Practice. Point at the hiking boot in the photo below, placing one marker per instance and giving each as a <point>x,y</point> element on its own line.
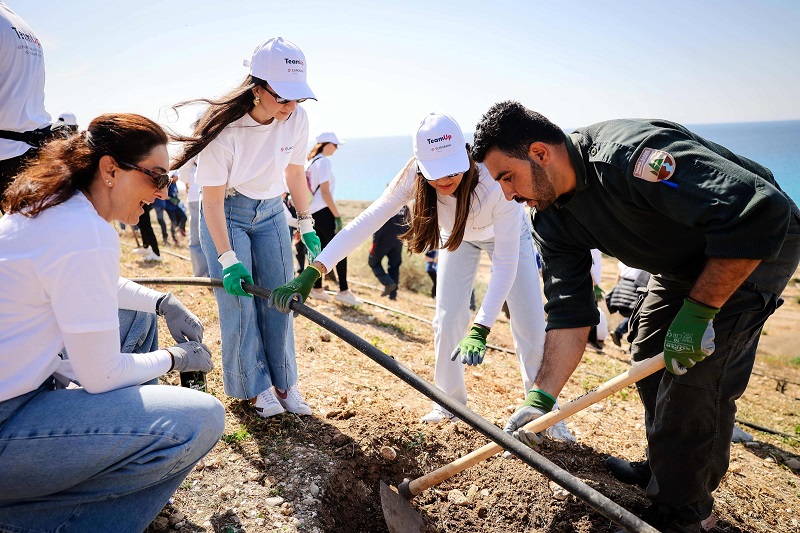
<point>437,415</point>
<point>293,401</point>
<point>617,338</point>
<point>631,472</point>
<point>320,294</point>
<point>347,297</point>
<point>267,404</point>
<point>389,289</point>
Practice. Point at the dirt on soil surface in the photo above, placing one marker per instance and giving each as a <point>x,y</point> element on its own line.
<point>322,472</point>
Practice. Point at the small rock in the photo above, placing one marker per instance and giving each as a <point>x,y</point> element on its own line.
<point>308,500</point>
<point>388,453</point>
<point>559,492</point>
<point>314,490</point>
<point>597,408</point>
<point>769,459</point>
<point>325,337</point>
<point>227,492</point>
<point>457,497</point>
<point>473,490</point>
<point>485,493</point>
<point>793,463</point>
<point>275,501</point>
<point>176,517</point>
<point>260,522</point>
<point>287,509</point>
<point>179,525</point>
<point>254,476</point>
<point>333,413</point>
<point>160,523</point>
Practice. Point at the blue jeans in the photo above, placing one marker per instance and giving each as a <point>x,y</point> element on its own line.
<point>73,461</point>
<point>199,262</point>
<point>257,341</point>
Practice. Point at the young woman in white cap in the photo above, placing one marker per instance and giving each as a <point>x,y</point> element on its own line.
<point>327,220</point>
<point>247,143</point>
<point>459,208</point>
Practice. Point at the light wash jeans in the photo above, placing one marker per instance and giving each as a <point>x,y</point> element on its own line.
<point>257,341</point>
<point>199,261</point>
<point>455,278</point>
<point>71,461</point>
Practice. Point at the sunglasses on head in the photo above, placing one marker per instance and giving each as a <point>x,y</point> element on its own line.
<point>280,100</point>
<point>160,180</point>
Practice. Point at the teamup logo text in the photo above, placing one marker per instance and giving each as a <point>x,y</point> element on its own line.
<point>26,36</point>
<point>445,137</point>
<point>293,61</point>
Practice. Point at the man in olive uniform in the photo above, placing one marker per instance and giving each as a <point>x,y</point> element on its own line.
<point>720,237</point>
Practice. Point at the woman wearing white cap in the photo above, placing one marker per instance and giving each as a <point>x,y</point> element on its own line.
<point>457,206</point>
<point>247,143</point>
<point>327,220</point>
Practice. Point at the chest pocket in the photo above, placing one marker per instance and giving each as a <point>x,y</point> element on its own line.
<point>615,154</point>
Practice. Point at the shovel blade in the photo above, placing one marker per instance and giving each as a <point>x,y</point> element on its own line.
<point>399,515</point>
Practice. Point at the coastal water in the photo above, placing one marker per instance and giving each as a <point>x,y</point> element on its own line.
<point>363,167</point>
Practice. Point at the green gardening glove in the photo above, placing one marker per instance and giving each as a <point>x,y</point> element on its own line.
<point>536,404</point>
<point>281,297</point>
<point>232,278</point>
<point>473,347</point>
<point>690,337</point>
<point>338,225</point>
<point>598,294</point>
<point>313,245</point>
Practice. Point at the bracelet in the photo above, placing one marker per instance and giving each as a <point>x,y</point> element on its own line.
<point>305,217</point>
<point>306,212</point>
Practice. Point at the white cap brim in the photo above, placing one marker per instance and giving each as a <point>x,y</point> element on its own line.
<point>438,168</point>
<point>292,90</point>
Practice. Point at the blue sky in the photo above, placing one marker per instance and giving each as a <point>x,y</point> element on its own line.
<point>378,67</point>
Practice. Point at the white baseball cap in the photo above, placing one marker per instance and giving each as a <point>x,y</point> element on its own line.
<point>439,147</point>
<point>328,137</point>
<point>68,119</point>
<point>283,65</point>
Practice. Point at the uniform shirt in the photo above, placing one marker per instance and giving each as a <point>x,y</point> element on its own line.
<point>489,210</point>
<point>21,82</point>
<point>252,157</point>
<point>724,206</point>
<point>318,172</point>
<point>187,175</point>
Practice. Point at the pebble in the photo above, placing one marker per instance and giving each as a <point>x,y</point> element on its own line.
<point>769,459</point>
<point>793,463</point>
<point>227,492</point>
<point>179,525</point>
<point>457,497</point>
<point>597,408</point>
<point>287,509</point>
<point>388,453</point>
<point>160,523</point>
<point>314,490</point>
<point>176,517</point>
<point>259,522</point>
<point>473,490</point>
<point>325,337</point>
<point>275,501</point>
<point>485,493</point>
<point>559,492</point>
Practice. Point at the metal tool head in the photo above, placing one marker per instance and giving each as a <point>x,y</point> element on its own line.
<point>400,516</point>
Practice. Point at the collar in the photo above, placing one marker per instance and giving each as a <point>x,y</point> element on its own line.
<point>572,141</point>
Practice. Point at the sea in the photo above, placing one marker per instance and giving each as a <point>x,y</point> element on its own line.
<point>364,166</point>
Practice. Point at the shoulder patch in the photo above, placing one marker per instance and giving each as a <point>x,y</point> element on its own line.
<point>654,165</point>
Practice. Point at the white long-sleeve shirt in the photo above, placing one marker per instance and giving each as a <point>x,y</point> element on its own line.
<point>491,217</point>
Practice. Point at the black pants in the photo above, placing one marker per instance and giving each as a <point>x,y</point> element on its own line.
<point>432,275</point>
<point>146,229</point>
<point>325,226</point>
<point>392,275</point>
<point>690,418</point>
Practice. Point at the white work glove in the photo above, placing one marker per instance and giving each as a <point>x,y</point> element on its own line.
<point>182,324</point>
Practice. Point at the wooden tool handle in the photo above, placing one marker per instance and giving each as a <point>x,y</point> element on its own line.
<point>635,373</point>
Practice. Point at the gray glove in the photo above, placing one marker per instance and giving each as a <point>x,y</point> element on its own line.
<point>191,356</point>
<point>514,425</point>
<point>182,324</point>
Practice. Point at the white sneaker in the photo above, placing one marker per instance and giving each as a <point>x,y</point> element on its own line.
<point>347,297</point>
<point>267,404</point>
<point>560,432</point>
<point>152,257</point>
<point>142,251</point>
<point>320,294</point>
<point>740,435</point>
<point>292,401</point>
<point>437,415</point>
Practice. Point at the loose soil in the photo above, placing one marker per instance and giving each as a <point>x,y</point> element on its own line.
<point>322,472</point>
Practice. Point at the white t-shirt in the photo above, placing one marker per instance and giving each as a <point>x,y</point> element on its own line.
<point>187,174</point>
<point>318,172</point>
<point>60,273</point>
<point>489,210</point>
<point>252,157</point>
<point>597,266</point>
<point>21,82</point>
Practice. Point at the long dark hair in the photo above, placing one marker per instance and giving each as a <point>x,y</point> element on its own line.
<point>423,225</point>
<point>64,166</point>
<point>220,112</point>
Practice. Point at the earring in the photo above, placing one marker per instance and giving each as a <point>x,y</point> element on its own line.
<point>108,182</point>
<point>256,101</point>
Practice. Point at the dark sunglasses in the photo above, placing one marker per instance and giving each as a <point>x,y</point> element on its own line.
<point>280,100</point>
<point>160,180</point>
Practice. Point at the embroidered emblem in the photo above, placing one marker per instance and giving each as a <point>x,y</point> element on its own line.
<point>654,165</point>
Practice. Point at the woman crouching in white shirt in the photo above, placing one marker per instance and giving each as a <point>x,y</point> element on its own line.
<point>106,456</point>
<point>459,208</point>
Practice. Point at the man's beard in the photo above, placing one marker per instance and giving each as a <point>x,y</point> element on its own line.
<point>542,188</point>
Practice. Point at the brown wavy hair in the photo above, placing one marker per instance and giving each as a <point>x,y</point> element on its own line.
<point>423,225</point>
<point>64,166</point>
<point>220,112</point>
<point>315,151</point>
